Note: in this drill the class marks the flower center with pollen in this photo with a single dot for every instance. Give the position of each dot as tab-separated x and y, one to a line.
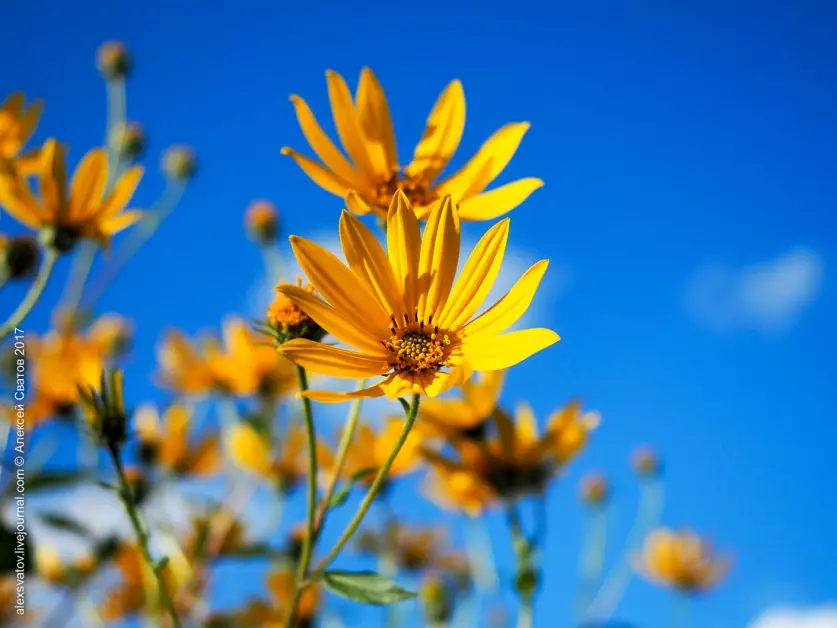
416	348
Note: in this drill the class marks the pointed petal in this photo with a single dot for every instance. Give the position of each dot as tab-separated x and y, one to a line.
328	396
115	224
505	431
483	395
357	205
14	104
329	319
438	260
341	289
88	184
404	246
506	312
17	199
248	449
205	459
53	181
29	120
28	162
443	382
368	261
122	191
477	277
376	121
498	201
348	127
328	360
501	352
527	424
442	134
323	177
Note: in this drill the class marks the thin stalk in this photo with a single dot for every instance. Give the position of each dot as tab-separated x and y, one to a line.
308	541
592	558
36	290
272	259
377	483
142	534
481	564
523	551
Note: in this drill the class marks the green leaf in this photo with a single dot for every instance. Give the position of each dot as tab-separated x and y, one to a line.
404	405
366	587
63	522
339	497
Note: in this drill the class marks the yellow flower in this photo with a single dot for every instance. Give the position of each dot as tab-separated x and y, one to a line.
261	221
465	417
369	450
164	442
403	312
413	548
55	570
272	614
371	175
84	209
680	560
182	366
288	321
250	450
595	489
17	124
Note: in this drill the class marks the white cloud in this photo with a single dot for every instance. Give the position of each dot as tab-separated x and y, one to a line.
824	617
769	296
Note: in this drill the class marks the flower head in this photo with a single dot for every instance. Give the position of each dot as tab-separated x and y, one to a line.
646	462
113	60
467	416
251	451
17	124
595	489
128	140
262	221
179	163
410	322
681	560
371	175
85	209
288	321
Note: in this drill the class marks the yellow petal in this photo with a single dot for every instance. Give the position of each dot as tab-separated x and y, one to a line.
322	145
438	260
14	104
495	153
357	205
341	289
328	360
527	424
53	181
508	310
477	277
501	352
444	381
323	177
121	221
328	396
368	261
483	396
175	439
28	162
122	191
404	246
376	121
248	449
147	423
206	458
88	184
498	201
29	120
329	319
442	134
17	199
348	127
505	432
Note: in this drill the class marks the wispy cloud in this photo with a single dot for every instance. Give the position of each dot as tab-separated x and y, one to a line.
824	617
769	296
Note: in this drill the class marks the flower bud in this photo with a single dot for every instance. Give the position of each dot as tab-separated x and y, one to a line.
262	222
646	462
19	257
526	581
179	163
595	489
105	410
436	600
128	140
288	321
113	60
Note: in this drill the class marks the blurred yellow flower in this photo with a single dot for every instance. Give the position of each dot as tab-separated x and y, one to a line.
403	312
371	175
86	209
272	614
680	560
370	449
183	368
261	220
414	548
17	124
466	416
54	569
595	489
251	450
164	442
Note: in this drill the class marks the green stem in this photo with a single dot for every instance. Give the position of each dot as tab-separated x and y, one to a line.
377	483
525	579
142	534
117	115
82	264
272	259
308	541
525	618
36	290
592	559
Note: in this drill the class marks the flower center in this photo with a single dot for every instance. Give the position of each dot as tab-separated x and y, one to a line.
416	348
416	190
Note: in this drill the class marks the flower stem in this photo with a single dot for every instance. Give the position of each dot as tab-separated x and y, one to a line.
526	577
377	483
308	541
142	534
36	290
592	558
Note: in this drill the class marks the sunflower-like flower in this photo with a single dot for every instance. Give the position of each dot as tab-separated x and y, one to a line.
466	416
517	461
251	450
680	560
84	209
370	449
182	366
371	175
403	311
164	442
17	124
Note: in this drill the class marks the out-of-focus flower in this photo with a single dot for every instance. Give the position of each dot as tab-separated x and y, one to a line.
8	599
404	313
272	614
595	489
371	175
680	560
261	220
370	449
164	442
113	60
51	567
183	368
465	417
84	209
250	450
103	407
646	462
17	124
202	528
128	140
179	163
18	257
517	461
288	321
414	549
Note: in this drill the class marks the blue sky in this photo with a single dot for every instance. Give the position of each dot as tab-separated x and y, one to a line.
689	208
